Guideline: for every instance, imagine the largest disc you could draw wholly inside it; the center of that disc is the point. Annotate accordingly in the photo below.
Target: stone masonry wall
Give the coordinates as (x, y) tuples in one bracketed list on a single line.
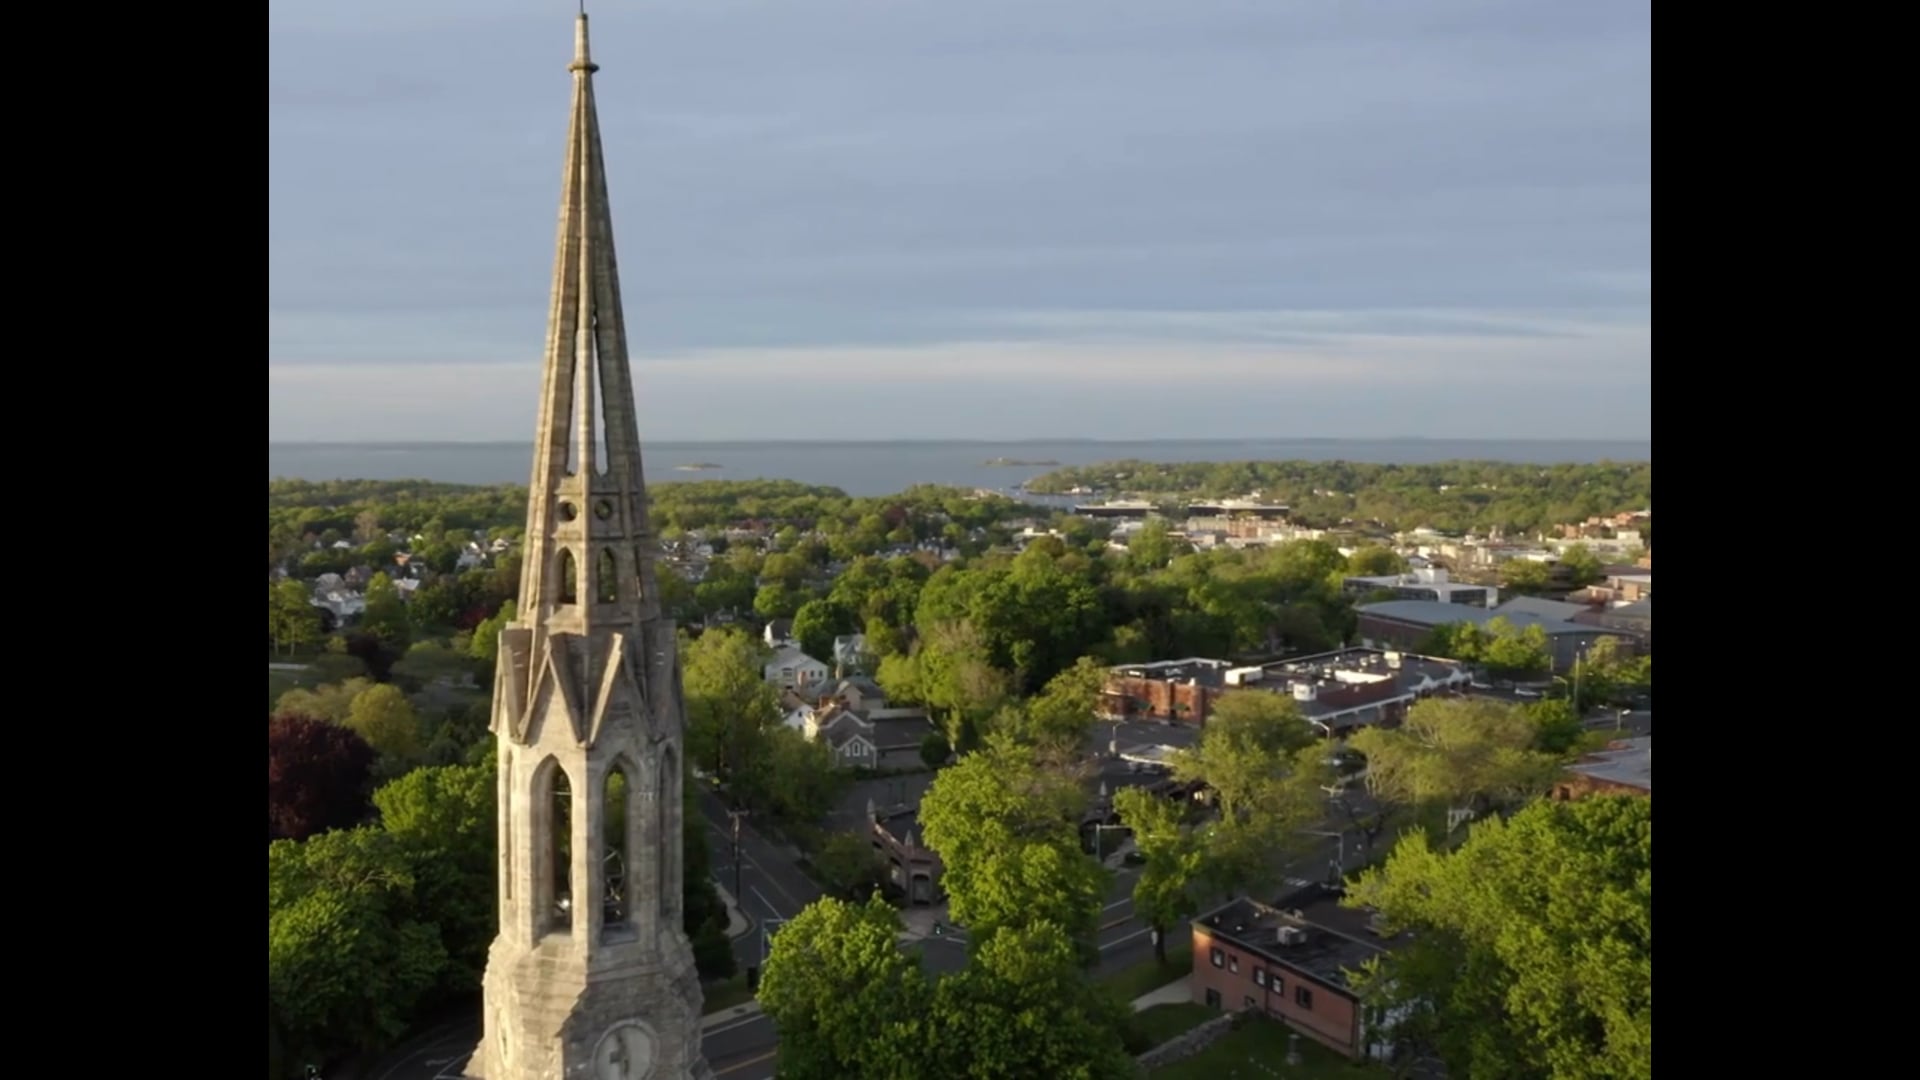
[(1188, 1044)]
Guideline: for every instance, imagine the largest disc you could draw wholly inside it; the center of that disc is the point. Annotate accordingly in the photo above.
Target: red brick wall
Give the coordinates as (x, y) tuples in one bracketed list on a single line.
[(1163, 699), (1333, 1020), (1580, 786)]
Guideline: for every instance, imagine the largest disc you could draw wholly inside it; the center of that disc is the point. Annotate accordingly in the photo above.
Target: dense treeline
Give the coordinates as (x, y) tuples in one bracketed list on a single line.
[(1453, 496)]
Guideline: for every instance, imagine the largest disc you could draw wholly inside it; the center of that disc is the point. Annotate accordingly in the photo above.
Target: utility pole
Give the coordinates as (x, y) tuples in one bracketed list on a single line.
[(736, 815)]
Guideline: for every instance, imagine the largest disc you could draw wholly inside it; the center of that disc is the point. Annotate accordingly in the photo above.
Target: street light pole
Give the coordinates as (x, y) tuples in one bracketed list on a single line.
[(736, 815)]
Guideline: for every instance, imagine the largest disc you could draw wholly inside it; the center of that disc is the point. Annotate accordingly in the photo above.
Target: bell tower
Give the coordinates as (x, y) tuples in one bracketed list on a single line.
[(591, 976)]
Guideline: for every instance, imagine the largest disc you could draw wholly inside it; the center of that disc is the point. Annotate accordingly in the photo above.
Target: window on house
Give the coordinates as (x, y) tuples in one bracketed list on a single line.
[(1219, 958), (1259, 976), (1213, 999), (1303, 997), (1233, 964)]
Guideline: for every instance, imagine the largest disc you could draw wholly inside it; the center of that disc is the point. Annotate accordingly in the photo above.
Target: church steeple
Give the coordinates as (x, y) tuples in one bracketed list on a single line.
[(591, 970), (588, 555)]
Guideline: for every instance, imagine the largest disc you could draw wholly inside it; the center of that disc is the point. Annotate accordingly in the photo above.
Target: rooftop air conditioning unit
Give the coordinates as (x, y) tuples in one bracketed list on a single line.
[(1291, 935)]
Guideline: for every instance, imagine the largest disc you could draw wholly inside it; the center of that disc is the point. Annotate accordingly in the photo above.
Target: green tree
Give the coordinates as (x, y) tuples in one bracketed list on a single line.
[(847, 1000), (1582, 565), (817, 622), (485, 646), (383, 716), (935, 750), (1164, 893), (348, 957), (787, 776), (442, 820), (332, 702), (1511, 652), (1258, 758), (778, 600), (292, 620), (385, 616), (1457, 753), (1532, 952), (1024, 1007), (1008, 834), (1059, 717), (1524, 576), (729, 704), (1374, 560), (848, 862)]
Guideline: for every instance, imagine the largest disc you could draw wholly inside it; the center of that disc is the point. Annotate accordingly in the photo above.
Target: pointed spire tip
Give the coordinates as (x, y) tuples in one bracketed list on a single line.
[(582, 59)]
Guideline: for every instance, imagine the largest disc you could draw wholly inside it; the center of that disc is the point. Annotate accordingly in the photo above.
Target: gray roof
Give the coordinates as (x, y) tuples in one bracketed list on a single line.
[(1434, 613), (1639, 609), (1631, 763), (1546, 609), (1337, 940)]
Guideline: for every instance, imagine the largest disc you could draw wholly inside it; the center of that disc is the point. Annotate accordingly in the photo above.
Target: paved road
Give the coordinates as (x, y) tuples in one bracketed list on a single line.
[(742, 1047), (738, 1049)]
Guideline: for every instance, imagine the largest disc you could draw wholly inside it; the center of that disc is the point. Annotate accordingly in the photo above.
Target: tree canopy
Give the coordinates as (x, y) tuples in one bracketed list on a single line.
[(1532, 952)]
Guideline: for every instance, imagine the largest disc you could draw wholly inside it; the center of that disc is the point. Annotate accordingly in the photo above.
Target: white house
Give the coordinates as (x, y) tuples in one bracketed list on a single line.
[(778, 632), (850, 652), (791, 668), (801, 719), (848, 735)]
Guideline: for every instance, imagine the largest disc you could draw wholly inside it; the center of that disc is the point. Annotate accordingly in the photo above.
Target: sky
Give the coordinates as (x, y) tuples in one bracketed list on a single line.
[(991, 219)]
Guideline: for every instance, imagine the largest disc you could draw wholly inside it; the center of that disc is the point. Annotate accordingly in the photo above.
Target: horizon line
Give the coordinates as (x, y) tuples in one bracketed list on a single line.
[(1054, 440)]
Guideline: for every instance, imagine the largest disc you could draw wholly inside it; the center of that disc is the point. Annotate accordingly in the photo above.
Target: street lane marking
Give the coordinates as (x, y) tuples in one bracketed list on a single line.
[(1117, 903), (768, 904), (768, 1056), (1122, 921), (1124, 940)]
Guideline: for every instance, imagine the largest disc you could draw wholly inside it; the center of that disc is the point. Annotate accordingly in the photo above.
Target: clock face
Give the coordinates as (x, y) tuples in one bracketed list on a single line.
[(624, 1053)]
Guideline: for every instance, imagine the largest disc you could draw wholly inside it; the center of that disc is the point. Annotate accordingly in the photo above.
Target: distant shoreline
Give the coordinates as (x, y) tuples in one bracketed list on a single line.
[(429, 444)]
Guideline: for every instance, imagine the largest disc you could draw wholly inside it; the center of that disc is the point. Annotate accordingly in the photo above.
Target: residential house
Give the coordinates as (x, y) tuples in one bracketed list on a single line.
[(791, 669), (848, 735), (778, 632), (858, 693), (1625, 767), (1623, 585), (1293, 961), (1405, 623), (912, 868), (850, 652)]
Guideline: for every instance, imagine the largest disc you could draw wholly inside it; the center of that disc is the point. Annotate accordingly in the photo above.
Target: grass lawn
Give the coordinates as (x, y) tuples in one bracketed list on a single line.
[(1163, 1022), (726, 993), (1258, 1051), (1130, 982), (279, 682)]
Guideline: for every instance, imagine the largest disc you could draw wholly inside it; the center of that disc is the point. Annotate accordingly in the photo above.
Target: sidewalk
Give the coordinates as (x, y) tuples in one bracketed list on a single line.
[(1176, 992), (917, 924), (738, 924)]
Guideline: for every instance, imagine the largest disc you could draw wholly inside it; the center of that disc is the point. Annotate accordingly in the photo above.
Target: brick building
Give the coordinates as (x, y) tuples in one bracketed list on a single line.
[(1336, 691), (912, 867), (1291, 961), (1625, 767)]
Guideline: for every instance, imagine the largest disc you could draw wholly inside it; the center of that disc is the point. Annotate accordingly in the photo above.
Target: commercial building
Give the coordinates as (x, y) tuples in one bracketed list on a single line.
[(1336, 691), (1405, 623), (1425, 584), (1625, 767)]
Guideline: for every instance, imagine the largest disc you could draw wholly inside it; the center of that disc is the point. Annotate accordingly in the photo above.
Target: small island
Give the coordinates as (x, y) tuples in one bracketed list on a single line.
[(1024, 462), (697, 466)]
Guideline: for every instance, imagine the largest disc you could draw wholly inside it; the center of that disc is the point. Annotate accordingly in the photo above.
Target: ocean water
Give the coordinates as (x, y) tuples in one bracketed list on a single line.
[(881, 468)]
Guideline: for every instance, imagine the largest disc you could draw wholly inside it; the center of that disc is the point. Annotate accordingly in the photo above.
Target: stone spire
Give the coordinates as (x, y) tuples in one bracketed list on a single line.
[(591, 972), (588, 542)]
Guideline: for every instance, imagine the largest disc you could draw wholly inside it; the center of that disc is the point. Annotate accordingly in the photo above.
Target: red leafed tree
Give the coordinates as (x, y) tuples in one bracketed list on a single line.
[(317, 777)]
